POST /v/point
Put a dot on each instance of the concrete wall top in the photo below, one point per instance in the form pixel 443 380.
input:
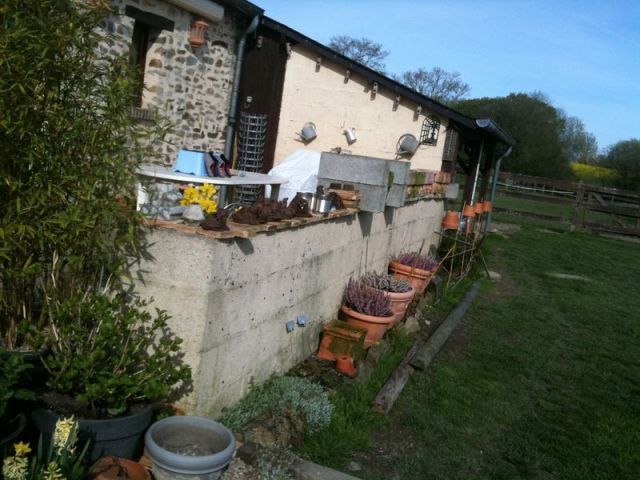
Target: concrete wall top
pixel 323 96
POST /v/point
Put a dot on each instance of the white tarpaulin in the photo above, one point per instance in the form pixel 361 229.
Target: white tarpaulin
pixel 301 169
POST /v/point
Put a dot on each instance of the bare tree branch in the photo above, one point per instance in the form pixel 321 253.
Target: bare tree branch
pixel 362 50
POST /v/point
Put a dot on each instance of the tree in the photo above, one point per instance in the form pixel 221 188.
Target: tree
pixel 69 151
pixel 536 126
pixel 437 83
pixel 580 146
pixel 362 50
pixel 624 157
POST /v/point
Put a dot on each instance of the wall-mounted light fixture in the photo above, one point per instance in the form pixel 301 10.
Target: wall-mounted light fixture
pixel 350 133
pixel 407 145
pixel 430 131
pixel 196 33
pixel 308 132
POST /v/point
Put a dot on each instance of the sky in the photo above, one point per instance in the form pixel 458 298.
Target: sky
pixel 583 55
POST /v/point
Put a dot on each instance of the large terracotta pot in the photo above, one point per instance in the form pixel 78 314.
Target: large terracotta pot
pixel 451 220
pixel 399 303
pixel 488 206
pixel 468 211
pixel 114 468
pixel 375 326
pixel 416 277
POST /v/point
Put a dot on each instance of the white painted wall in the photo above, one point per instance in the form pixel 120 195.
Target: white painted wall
pixel 323 97
pixel 230 300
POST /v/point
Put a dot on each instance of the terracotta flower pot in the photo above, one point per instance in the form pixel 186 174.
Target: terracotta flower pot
pixel 344 365
pixel 399 303
pixel 488 206
pixel 416 277
pixel 468 211
pixel 375 326
pixel 479 208
pixel 196 33
pixel 114 468
pixel 451 220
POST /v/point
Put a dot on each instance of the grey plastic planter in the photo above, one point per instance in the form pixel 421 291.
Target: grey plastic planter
pixel 114 436
pixel 189 447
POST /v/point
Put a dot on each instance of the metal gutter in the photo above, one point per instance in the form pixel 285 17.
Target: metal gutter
pixel 496 173
pixel 494 129
pixel 231 122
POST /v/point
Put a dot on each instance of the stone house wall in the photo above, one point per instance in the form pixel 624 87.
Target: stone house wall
pixel 189 86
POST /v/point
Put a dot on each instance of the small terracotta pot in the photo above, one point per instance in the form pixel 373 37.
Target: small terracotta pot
pixel 479 208
pixel 468 211
pixel 344 365
pixel 416 277
pixel 115 468
pixel 451 220
pixel 375 326
pixel 399 303
pixel 488 206
pixel 196 33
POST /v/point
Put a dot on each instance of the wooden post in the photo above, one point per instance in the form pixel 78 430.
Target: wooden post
pixel 577 206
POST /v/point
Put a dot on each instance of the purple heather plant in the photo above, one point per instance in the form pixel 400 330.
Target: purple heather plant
pixel 386 283
pixel 366 300
pixel 415 260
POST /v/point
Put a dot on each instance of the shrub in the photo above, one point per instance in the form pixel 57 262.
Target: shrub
pixel 13 370
pixel 416 260
pixel 385 282
pixel 366 300
pixel 105 356
pixel 70 149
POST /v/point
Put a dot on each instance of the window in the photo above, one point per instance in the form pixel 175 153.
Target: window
pixel 138 55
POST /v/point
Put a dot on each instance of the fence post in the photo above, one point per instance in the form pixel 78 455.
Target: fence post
pixel 577 206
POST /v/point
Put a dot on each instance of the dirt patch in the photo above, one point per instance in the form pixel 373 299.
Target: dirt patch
pixel 504 228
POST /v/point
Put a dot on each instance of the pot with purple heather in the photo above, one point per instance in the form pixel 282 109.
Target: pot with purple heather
pixel 399 292
pixel 414 268
pixel 367 308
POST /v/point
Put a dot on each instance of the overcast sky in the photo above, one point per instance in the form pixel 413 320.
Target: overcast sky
pixel 584 55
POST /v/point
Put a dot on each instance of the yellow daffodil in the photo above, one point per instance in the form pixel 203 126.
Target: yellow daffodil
pixel 21 449
pixel 203 196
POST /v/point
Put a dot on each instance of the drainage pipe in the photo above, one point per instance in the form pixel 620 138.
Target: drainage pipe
pixel 496 173
pixel 477 174
pixel 235 90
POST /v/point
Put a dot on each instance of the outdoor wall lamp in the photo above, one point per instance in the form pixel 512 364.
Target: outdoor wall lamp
pixel 430 130
pixel 308 132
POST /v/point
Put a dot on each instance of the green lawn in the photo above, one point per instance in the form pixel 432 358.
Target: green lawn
pixel 540 380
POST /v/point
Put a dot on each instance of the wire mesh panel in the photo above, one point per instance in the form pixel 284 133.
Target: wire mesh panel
pixel 252 134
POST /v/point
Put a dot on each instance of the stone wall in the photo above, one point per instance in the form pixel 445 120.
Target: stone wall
pixel 230 300
pixel 190 86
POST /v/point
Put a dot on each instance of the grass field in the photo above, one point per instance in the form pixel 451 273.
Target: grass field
pixel 540 380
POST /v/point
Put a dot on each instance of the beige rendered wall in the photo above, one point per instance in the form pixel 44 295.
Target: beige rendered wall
pixel 323 97
pixel 230 300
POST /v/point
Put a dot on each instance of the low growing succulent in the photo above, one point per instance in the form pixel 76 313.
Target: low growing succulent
pixel 416 260
pixel 386 283
pixel 366 300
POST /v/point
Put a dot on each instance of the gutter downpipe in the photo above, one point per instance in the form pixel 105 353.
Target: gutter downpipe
pixel 477 174
pixel 496 173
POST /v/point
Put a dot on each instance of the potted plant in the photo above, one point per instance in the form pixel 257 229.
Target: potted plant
pixel 108 359
pixel 399 292
pixel 415 268
pixel 367 308
pixel 189 447
pixel 13 371
pixel 60 459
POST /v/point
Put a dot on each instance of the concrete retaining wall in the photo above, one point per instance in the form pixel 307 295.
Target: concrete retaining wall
pixel 230 300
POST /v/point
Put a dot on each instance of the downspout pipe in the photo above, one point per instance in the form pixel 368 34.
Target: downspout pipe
pixel 477 173
pixel 496 173
pixel 235 90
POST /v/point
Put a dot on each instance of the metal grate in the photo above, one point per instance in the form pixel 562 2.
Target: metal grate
pixel 252 134
pixel 430 131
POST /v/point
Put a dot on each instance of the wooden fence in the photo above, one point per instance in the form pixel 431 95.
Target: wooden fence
pixel 587 206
